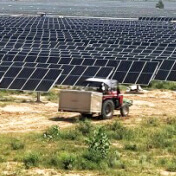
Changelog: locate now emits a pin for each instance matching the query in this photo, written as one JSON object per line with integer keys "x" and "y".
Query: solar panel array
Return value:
{"x": 29, "y": 78}
{"x": 129, "y": 51}
{"x": 158, "y": 18}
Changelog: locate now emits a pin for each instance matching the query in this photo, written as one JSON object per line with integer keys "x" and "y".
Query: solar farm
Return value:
{"x": 133, "y": 52}
{"x": 45, "y": 54}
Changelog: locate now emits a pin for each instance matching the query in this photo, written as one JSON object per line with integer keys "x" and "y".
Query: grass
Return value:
{"x": 145, "y": 150}
{"x": 163, "y": 85}
{"x": 51, "y": 95}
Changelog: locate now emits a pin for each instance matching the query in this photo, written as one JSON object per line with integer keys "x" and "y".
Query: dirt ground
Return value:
{"x": 32, "y": 116}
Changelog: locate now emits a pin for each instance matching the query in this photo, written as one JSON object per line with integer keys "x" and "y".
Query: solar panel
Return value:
{"x": 133, "y": 72}
{"x": 79, "y": 73}
{"x": 29, "y": 79}
{"x": 167, "y": 71}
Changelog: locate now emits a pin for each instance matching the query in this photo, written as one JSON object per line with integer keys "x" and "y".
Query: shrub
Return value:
{"x": 68, "y": 161}
{"x": 150, "y": 122}
{"x": 160, "y": 4}
{"x": 163, "y": 85}
{"x": 85, "y": 164}
{"x": 159, "y": 139}
{"x": 85, "y": 127}
{"x": 17, "y": 144}
{"x": 71, "y": 134}
{"x": 99, "y": 143}
{"x": 162, "y": 161}
{"x": 113, "y": 159}
{"x": 52, "y": 133}
{"x": 93, "y": 156}
{"x": 171, "y": 121}
{"x": 51, "y": 96}
{"x": 118, "y": 132}
{"x": 2, "y": 159}
{"x": 31, "y": 160}
{"x": 55, "y": 161}
{"x": 130, "y": 146}
{"x": 119, "y": 164}
{"x": 171, "y": 166}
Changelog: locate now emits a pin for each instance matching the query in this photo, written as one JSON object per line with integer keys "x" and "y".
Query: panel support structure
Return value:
{"x": 38, "y": 97}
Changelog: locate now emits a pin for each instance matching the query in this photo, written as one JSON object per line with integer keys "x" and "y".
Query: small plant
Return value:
{"x": 151, "y": 122}
{"x": 99, "y": 143}
{"x": 17, "y": 144}
{"x": 159, "y": 139}
{"x": 113, "y": 159}
{"x": 93, "y": 156}
{"x": 163, "y": 85}
{"x": 118, "y": 132}
{"x": 171, "y": 120}
{"x": 160, "y": 4}
{"x": 171, "y": 166}
{"x": 130, "y": 146}
{"x": 2, "y": 159}
{"x": 116, "y": 126}
{"x": 52, "y": 133}
{"x": 31, "y": 160}
{"x": 54, "y": 161}
{"x": 85, "y": 164}
{"x": 68, "y": 161}
{"x": 51, "y": 96}
{"x": 85, "y": 127}
{"x": 71, "y": 134}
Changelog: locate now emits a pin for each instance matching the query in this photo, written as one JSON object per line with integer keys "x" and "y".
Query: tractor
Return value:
{"x": 99, "y": 96}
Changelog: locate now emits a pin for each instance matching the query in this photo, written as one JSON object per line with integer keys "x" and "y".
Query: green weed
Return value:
{"x": 31, "y": 160}
{"x": 17, "y": 144}
{"x": 52, "y": 133}
{"x": 85, "y": 127}
{"x": 99, "y": 142}
{"x": 163, "y": 85}
{"x": 130, "y": 146}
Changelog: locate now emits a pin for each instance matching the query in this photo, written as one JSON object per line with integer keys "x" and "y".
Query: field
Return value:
{"x": 37, "y": 140}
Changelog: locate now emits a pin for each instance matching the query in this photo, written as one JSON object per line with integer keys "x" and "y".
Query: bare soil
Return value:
{"x": 31, "y": 116}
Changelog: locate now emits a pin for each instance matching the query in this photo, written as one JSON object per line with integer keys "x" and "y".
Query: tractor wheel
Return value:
{"x": 124, "y": 110}
{"x": 107, "y": 109}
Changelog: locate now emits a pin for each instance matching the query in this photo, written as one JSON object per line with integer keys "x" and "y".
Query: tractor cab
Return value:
{"x": 112, "y": 97}
{"x": 106, "y": 86}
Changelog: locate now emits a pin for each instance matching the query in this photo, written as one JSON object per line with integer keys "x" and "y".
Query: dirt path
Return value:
{"x": 23, "y": 117}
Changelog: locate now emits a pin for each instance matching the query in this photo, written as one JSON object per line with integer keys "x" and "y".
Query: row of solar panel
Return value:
{"x": 158, "y": 18}
{"x": 99, "y": 51}
{"x": 90, "y": 42}
{"x": 84, "y": 25}
{"x": 78, "y": 32}
{"x": 67, "y": 55}
{"x": 116, "y": 28}
{"x": 125, "y": 72}
{"x": 122, "y": 28}
{"x": 138, "y": 54}
{"x": 66, "y": 20}
{"x": 97, "y": 39}
{"x": 29, "y": 79}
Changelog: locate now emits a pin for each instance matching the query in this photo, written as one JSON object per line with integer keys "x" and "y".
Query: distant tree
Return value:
{"x": 160, "y": 4}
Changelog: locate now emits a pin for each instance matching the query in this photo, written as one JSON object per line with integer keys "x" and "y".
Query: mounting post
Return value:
{"x": 138, "y": 88}
{"x": 38, "y": 97}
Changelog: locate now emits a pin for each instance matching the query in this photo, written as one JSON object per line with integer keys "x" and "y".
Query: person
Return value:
{"x": 103, "y": 88}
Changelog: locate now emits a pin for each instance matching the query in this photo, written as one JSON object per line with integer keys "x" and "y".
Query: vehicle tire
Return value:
{"x": 107, "y": 109}
{"x": 124, "y": 110}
